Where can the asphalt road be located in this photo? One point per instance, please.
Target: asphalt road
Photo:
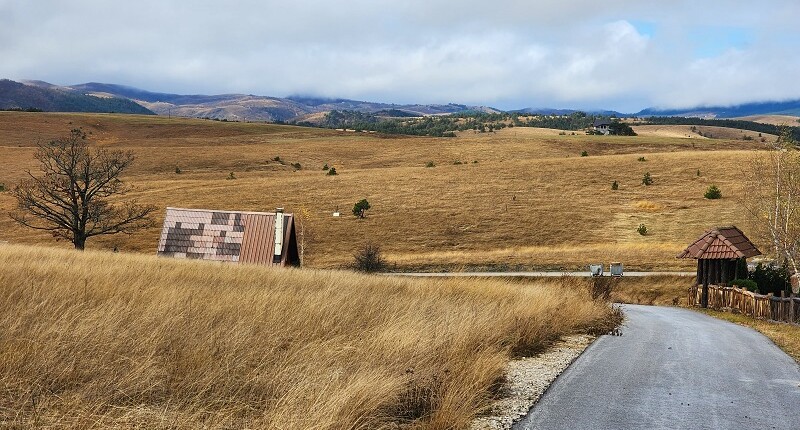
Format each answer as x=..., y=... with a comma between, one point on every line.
x=674, y=369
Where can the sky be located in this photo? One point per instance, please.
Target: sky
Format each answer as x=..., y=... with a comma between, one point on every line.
x=509, y=54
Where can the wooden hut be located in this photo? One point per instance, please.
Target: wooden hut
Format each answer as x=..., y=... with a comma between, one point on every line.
x=718, y=253
x=265, y=238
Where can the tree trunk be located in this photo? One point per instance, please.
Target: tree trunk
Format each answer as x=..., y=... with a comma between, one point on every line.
x=80, y=242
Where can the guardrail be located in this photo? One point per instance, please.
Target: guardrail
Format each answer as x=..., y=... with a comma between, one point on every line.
x=768, y=307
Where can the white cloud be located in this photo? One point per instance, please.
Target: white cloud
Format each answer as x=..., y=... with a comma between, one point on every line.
x=510, y=53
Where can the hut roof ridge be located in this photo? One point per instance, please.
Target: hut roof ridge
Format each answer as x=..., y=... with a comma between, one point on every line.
x=727, y=242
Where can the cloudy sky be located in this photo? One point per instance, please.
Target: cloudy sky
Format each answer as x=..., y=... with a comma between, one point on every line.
x=617, y=54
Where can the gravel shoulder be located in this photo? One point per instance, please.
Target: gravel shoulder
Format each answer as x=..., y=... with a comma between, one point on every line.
x=528, y=378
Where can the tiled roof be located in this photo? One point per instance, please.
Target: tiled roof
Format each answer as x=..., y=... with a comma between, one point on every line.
x=245, y=237
x=721, y=243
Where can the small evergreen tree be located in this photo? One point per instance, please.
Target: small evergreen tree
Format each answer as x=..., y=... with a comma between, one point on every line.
x=332, y=172
x=642, y=229
x=647, y=179
x=360, y=209
x=614, y=186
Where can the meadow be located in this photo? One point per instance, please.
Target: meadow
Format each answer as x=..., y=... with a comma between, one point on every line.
x=97, y=339
x=514, y=199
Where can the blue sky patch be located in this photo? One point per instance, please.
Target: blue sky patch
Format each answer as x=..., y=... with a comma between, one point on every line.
x=713, y=41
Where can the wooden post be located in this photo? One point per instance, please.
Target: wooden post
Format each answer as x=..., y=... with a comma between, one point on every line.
x=704, y=295
x=791, y=308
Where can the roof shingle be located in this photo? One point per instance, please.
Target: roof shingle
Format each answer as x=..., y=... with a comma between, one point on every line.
x=721, y=243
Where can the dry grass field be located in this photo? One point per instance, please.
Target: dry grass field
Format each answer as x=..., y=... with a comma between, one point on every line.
x=115, y=340
x=513, y=199
x=773, y=119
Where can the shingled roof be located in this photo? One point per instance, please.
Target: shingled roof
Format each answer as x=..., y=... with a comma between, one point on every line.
x=241, y=237
x=721, y=243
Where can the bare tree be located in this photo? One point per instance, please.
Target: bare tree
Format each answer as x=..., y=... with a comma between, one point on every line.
x=71, y=199
x=773, y=196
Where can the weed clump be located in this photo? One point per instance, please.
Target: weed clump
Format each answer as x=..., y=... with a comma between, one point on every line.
x=642, y=229
x=713, y=193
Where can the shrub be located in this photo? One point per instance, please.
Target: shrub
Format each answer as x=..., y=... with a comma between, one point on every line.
x=698, y=172
x=2, y=187
x=601, y=287
x=297, y=166
x=178, y=170
x=642, y=159
x=369, y=259
x=642, y=229
x=278, y=159
x=584, y=154
x=360, y=208
x=231, y=176
x=771, y=279
x=614, y=186
x=746, y=284
x=647, y=179
x=430, y=164
x=332, y=171
x=457, y=162
x=713, y=193
x=325, y=167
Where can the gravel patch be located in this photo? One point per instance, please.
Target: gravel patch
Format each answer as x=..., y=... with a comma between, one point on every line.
x=528, y=378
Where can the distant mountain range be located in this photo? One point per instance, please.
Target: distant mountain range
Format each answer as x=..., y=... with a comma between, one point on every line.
x=99, y=97
x=15, y=95
x=791, y=108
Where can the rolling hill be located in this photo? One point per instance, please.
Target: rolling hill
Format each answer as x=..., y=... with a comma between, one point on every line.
x=789, y=108
x=51, y=98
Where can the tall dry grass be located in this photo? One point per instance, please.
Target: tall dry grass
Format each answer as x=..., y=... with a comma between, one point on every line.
x=97, y=339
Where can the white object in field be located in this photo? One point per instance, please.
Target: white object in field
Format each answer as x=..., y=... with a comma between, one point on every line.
x=596, y=269
x=278, y=235
x=616, y=269
x=336, y=214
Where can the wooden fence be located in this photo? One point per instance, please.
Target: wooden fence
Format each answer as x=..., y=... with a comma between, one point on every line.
x=768, y=307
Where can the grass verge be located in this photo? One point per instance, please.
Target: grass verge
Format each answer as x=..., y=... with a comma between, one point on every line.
x=98, y=339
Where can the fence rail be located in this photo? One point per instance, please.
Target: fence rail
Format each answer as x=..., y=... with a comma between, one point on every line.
x=769, y=307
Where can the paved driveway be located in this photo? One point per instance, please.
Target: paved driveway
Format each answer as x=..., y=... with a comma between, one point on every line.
x=674, y=369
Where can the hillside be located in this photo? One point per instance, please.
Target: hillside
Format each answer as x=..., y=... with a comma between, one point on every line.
x=513, y=199
x=248, y=107
x=789, y=108
x=105, y=340
x=50, y=98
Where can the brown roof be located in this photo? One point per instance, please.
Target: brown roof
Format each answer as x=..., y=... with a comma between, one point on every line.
x=721, y=243
x=243, y=237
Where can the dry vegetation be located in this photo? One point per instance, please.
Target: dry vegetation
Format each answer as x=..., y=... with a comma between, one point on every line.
x=99, y=339
x=530, y=201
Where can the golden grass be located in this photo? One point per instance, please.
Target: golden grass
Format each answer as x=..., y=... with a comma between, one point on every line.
x=529, y=202
x=653, y=290
x=99, y=339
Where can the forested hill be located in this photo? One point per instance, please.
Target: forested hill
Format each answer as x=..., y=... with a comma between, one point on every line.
x=15, y=95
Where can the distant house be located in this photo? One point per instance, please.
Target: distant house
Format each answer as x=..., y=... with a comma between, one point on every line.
x=601, y=126
x=265, y=238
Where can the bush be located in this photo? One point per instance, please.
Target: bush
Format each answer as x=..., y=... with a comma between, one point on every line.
x=601, y=287
x=430, y=164
x=647, y=179
x=297, y=166
x=642, y=229
x=2, y=187
x=332, y=172
x=178, y=170
x=231, y=176
x=325, y=167
x=584, y=154
x=771, y=279
x=278, y=159
x=614, y=186
x=642, y=159
x=360, y=208
x=369, y=259
x=746, y=284
x=713, y=193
